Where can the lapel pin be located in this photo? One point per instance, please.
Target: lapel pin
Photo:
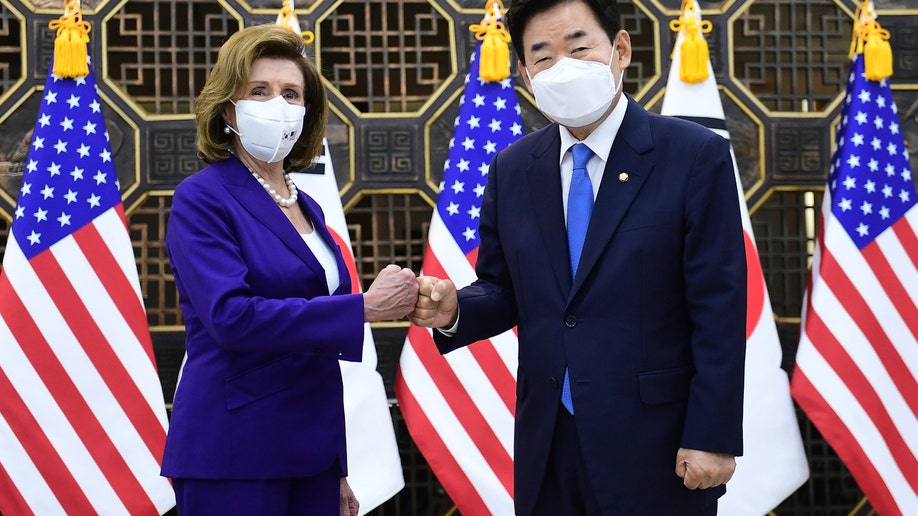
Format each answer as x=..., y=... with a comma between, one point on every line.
x=623, y=177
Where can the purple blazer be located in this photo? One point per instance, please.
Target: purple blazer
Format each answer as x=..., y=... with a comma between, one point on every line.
x=261, y=394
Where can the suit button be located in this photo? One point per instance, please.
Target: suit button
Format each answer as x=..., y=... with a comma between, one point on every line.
x=554, y=383
x=570, y=321
x=319, y=351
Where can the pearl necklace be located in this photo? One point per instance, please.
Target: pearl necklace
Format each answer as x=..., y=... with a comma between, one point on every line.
x=291, y=187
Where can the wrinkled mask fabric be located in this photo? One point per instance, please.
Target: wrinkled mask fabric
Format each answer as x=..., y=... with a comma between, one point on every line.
x=268, y=129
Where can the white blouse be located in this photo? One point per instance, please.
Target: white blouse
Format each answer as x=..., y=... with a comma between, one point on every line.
x=326, y=258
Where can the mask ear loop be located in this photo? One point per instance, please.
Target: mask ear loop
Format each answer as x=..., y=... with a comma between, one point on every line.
x=621, y=81
x=227, y=129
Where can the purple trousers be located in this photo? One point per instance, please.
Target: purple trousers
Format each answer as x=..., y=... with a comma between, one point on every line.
x=303, y=496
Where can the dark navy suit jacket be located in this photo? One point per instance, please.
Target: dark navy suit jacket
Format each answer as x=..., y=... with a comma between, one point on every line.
x=261, y=391
x=652, y=328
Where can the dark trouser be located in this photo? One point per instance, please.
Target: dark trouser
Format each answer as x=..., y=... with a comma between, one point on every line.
x=566, y=489
x=305, y=496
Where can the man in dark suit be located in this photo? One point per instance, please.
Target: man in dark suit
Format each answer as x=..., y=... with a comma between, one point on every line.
x=631, y=336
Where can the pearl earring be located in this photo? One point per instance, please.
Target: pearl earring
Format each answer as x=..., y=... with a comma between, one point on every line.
x=227, y=130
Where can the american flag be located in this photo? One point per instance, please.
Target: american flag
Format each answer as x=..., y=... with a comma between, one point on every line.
x=459, y=408
x=82, y=416
x=856, y=374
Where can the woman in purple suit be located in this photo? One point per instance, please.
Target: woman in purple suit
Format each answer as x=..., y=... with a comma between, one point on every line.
x=258, y=421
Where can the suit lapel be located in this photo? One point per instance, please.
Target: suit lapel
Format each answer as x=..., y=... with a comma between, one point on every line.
x=246, y=190
x=617, y=190
x=545, y=187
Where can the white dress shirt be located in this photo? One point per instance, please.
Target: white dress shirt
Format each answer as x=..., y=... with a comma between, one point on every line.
x=599, y=141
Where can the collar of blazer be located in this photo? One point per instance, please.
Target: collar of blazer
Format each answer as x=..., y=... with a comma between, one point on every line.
x=243, y=187
x=627, y=155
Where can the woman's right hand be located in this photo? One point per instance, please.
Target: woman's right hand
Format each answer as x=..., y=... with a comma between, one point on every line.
x=392, y=295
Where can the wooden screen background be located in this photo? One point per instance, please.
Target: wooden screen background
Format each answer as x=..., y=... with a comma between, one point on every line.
x=394, y=71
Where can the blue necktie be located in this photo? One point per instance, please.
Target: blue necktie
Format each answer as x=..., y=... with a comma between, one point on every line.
x=579, y=209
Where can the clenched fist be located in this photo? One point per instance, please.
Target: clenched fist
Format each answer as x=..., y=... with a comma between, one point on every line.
x=702, y=470
x=393, y=295
x=437, y=305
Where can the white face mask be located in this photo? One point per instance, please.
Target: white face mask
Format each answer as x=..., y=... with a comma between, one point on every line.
x=573, y=92
x=269, y=129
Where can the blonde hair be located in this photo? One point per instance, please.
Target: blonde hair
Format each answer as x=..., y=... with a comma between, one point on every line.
x=231, y=73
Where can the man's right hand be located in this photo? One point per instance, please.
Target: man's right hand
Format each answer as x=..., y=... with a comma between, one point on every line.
x=437, y=305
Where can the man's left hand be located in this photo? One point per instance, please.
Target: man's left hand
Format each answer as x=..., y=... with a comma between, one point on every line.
x=702, y=470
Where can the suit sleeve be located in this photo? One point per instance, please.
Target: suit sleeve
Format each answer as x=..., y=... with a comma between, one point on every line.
x=210, y=266
x=715, y=290
x=487, y=307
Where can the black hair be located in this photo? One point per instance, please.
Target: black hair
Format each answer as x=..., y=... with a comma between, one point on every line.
x=521, y=11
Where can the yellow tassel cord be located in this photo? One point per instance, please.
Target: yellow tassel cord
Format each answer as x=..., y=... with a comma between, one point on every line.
x=872, y=40
x=693, y=66
x=287, y=18
x=70, y=54
x=494, y=65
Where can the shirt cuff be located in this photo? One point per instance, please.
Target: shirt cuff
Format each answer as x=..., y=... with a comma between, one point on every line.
x=451, y=331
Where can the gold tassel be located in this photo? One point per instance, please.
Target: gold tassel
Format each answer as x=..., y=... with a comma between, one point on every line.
x=872, y=40
x=494, y=65
x=878, y=61
x=71, y=59
x=287, y=18
x=693, y=66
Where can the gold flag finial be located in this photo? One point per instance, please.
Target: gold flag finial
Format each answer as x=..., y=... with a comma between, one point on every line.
x=494, y=64
x=694, y=53
x=872, y=40
x=287, y=18
x=70, y=54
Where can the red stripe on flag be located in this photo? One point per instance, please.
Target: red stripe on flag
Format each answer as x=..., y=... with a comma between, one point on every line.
x=36, y=444
x=857, y=382
x=844, y=443
x=73, y=405
x=864, y=318
x=893, y=287
x=11, y=500
x=463, y=406
x=471, y=256
x=99, y=350
x=119, y=208
x=487, y=357
x=908, y=237
x=119, y=288
x=356, y=287
x=438, y=455
x=484, y=352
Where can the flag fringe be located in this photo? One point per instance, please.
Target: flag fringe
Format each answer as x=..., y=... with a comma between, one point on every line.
x=693, y=66
x=71, y=58
x=495, y=49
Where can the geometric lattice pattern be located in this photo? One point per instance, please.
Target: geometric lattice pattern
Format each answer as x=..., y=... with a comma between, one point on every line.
x=788, y=51
x=147, y=226
x=386, y=56
x=11, y=65
x=391, y=227
x=394, y=70
x=160, y=52
x=784, y=227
